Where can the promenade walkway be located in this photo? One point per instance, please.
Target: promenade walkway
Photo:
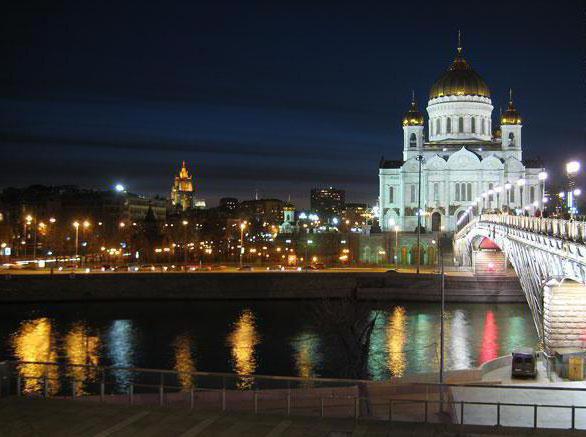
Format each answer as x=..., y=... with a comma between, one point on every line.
x=54, y=417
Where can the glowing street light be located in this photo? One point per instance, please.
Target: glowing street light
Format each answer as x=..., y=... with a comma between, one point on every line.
x=572, y=168
x=242, y=227
x=76, y=226
x=119, y=188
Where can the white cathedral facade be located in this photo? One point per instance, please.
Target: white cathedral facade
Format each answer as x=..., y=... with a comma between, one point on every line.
x=466, y=166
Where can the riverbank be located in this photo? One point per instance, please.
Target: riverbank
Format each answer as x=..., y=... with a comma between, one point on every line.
x=373, y=286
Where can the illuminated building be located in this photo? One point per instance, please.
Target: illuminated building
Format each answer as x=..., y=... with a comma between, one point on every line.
x=289, y=225
x=182, y=192
x=327, y=203
x=467, y=166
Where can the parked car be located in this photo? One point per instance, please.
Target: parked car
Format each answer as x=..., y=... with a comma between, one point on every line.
x=245, y=269
x=524, y=363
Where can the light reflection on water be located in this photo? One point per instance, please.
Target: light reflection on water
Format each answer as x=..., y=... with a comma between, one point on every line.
x=82, y=349
x=35, y=341
x=121, y=347
x=245, y=338
x=184, y=361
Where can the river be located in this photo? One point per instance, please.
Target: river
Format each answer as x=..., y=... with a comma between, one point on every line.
x=264, y=337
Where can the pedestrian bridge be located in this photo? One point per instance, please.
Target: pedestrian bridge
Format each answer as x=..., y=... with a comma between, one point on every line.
x=549, y=257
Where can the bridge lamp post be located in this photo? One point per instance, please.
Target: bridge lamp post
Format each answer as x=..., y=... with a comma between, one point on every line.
x=498, y=191
x=490, y=194
x=420, y=159
x=520, y=184
x=572, y=169
x=508, y=190
x=542, y=176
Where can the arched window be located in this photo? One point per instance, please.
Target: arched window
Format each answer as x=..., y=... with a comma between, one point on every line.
x=490, y=188
x=436, y=191
x=473, y=125
x=412, y=193
x=511, y=140
x=458, y=192
x=437, y=126
x=469, y=192
x=412, y=140
x=391, y=194
x=461, y=125
x=483, y=126
x=532, y=194
x=463, y=192
x=512, y=199
x=449, y=125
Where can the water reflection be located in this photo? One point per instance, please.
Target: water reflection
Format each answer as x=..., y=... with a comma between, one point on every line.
x=82, y=349
x=490, y=335
x=35, y=341
x=121, y=346
x=184, y=361
x=396, y=337
x=306, y=354
x=457, y=332
x=243, y=340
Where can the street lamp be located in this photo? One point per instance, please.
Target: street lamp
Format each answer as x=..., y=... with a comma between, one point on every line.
x=508, y=190
x=498, y=191
x=520, y=184
x=420, y=159
x=572, y=169
x=76, y=226
x=542, y=176
x=396, y=228
x=242, y=227
x=307, y=243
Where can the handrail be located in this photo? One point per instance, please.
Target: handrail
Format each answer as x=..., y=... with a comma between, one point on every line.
x=295, y=378
x=566, y=229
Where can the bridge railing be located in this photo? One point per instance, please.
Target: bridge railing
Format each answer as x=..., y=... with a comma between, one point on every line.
x=427, y=402
x=565, y=229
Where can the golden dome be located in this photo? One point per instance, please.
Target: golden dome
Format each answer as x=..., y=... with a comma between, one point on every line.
x=413, y=117
x=459, y=80
x=511, y=115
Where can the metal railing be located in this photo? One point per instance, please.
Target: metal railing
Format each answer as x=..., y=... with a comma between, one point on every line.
x=565, y=229
x=321, y=397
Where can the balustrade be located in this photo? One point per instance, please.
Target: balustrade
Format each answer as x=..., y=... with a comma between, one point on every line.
x=566, y=229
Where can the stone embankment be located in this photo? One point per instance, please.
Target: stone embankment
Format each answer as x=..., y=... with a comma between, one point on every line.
x=209, y=286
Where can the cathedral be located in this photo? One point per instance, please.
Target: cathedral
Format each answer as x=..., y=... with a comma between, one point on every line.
x=463, y=166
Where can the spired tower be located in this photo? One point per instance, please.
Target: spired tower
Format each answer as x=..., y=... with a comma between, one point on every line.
x=182, y=194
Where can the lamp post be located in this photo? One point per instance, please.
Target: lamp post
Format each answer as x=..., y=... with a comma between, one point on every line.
x=85, y=225
x=76, y=226
x=185, y=223
x=520, y=184
x=420, y=159
x=396, y=246
x=307, y=243
x=242, y=227
x=572, y=169
x=542, y=176
x=508, y=190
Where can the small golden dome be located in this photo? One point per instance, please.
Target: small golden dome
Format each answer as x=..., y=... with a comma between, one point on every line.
x=413, y=117
x=459, y=80
x=511, y=115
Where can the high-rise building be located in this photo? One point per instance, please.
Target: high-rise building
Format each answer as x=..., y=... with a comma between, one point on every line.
x=327, y=203
x=183, y=193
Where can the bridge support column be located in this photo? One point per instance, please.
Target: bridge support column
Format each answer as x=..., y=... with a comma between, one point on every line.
x=564, y=318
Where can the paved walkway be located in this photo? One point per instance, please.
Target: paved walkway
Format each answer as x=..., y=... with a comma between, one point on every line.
x=52, y=417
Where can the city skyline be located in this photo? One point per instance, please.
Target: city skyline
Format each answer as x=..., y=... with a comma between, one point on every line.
x=317, y=104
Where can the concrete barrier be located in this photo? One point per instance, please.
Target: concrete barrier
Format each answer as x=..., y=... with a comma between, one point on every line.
x=250, y=286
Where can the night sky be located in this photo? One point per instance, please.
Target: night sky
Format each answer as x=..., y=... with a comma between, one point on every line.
x=270, y=97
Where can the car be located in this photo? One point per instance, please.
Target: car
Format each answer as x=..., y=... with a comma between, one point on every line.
x=394, y=271
x=319, y=266
x=245, y=269
x=524, y=363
